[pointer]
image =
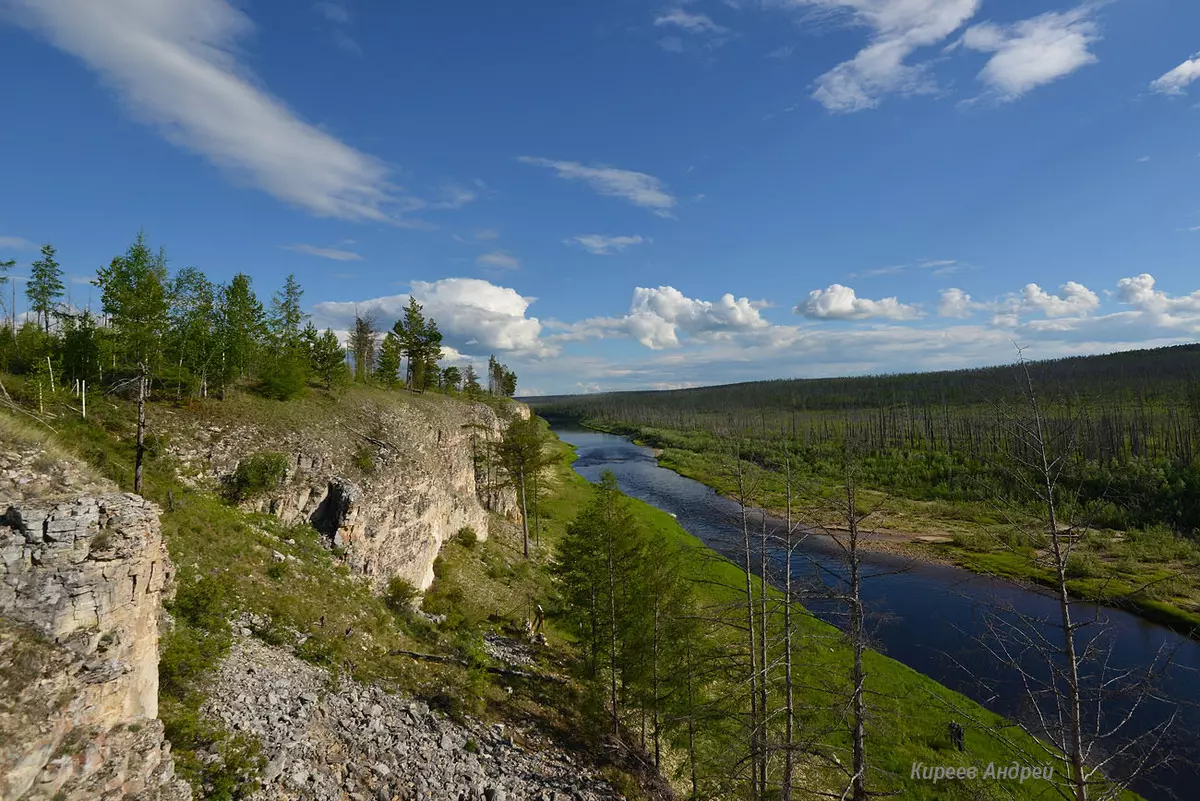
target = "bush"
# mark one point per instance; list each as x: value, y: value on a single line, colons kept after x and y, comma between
x: 284, y: 379
x: 1084, y: 565
x: 261, y: 473
x: 399, y: 596
x: 467, y: 537
x: 364, y: 459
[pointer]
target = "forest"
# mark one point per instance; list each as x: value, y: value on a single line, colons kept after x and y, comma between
x: 1134, y: 421
x: 184, y: 335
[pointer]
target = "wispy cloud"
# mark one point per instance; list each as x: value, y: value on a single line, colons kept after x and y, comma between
x: 453, y: 196
x: 898, y: 29
x: 692, y: 23
x: 178, y: 66
x: 16, y: 243
x: 1176, y: 81
x: 601, y: 245
x: 486, y: 234
x: 638, y: 188
x: 499, y: 259
x: 337, y: 254
x: 1033, y: 52
x: 782, y: 52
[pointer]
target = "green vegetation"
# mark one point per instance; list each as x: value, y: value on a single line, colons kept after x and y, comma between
x: 937, y: 451
x: 257, y: 475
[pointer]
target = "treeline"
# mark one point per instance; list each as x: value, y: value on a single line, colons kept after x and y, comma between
x: 937, y: 436
x: 191, y: 336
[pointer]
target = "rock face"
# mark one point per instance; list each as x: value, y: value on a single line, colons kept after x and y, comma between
x: 358, y: 742
x: 81, y: 582
x: 386, y: 484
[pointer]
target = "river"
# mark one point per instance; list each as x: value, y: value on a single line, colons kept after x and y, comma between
x: 932, y: 617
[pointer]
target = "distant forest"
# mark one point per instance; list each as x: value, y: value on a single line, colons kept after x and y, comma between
x: 1133, y: 420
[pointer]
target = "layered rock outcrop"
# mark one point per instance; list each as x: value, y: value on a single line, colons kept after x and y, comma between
x: 385, y: 483
x: 82, y: 572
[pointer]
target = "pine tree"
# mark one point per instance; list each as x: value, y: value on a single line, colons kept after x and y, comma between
x: 135, y: 298
x: 286, y: 315
x: 364, y: 343
x: 328, y: 359
x: 391, y: 356
x: 45, y: 286
x: 471, y: 382
x: 451, y: 378
x: 410, y: 329
x: 240, y: 328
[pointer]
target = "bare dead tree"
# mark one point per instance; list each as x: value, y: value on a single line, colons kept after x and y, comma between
x: 1081, y: 704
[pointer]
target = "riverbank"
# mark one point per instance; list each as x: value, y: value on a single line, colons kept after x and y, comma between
x: 1153, y: 574
x: 910, y: 712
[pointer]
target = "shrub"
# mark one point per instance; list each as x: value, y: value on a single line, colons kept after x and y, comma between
x: 260, y: 473
x: 364, y: 459
x: 399, y: 596
x: 467, y: 536
x: 1084, y: 565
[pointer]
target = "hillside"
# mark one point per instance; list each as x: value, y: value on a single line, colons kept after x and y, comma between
x: 281, y: 631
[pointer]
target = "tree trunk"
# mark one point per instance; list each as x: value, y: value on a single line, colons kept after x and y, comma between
x: 141, y: 433
x: 612, y: 644
x: 789, y: 764
x: 858, y: 637
x: 524, y: 514
x: 753, y: 671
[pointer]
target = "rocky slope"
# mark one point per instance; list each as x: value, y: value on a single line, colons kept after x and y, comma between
x: 347, y: 740
x: 386, y: 481
x: 82, y: 572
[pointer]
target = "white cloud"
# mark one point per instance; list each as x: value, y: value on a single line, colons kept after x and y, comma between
x: 1076, y: 300
x: 487, y: 234
x: 16, y: 243
x: 474, y: 316
x: 782, y: 52
x: 657, y: 317
x: 955, y: 303
x: 1033, y: 52
x: 838, y: 302
x: 500, y: 259
x: 640, y: 189
x: 337, y: 254
x: 898, y: 29
x: 692, y: 23
x: 178, y: 67
x: 601, y: 245
x: 1178, y: 79
x: 1140, y: 293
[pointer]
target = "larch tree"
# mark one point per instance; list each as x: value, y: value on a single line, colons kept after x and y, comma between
x: 364, y: 344
x: 239, y: 329
x: 45, y: 286
x: 391, y: 358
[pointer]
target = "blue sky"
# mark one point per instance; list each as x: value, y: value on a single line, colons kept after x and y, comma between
x: 635, y: 194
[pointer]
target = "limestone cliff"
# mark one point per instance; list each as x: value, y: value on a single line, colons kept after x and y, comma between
x: 386, y: 480
x: 82, y: 572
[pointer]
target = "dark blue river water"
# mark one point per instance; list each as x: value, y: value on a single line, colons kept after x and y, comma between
x: 932, y: 617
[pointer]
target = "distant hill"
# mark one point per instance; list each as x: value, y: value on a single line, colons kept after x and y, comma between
x: 1159, y: 375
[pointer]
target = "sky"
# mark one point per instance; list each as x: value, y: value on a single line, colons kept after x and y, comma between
x: 632, y: 194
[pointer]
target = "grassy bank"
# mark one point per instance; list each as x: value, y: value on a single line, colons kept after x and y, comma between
x: 910, y: 712
x: 1151, y: 572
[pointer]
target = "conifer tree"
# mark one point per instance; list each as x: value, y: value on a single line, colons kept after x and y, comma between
x: 328, y: 359
x: 240, y: 327
x: 45, y: 286
x: 364, y: 343
x: 136, y: 300
x: 391, y: 356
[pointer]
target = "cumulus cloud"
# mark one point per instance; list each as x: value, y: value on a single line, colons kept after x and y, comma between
x: 499, y: 259
x: 600, y: 245
x: 1179, y: 79
x: 955, y: 303
x: 898, y: 29
x: 1076, y: 300
x: 475, y: 316
x: 1033, y: 52
x: 638, y: 188
x: 1140, y: 293
x: 658, y: 316
x: 337, y: 254
x: 178, y: 66
x: 838, y: 302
